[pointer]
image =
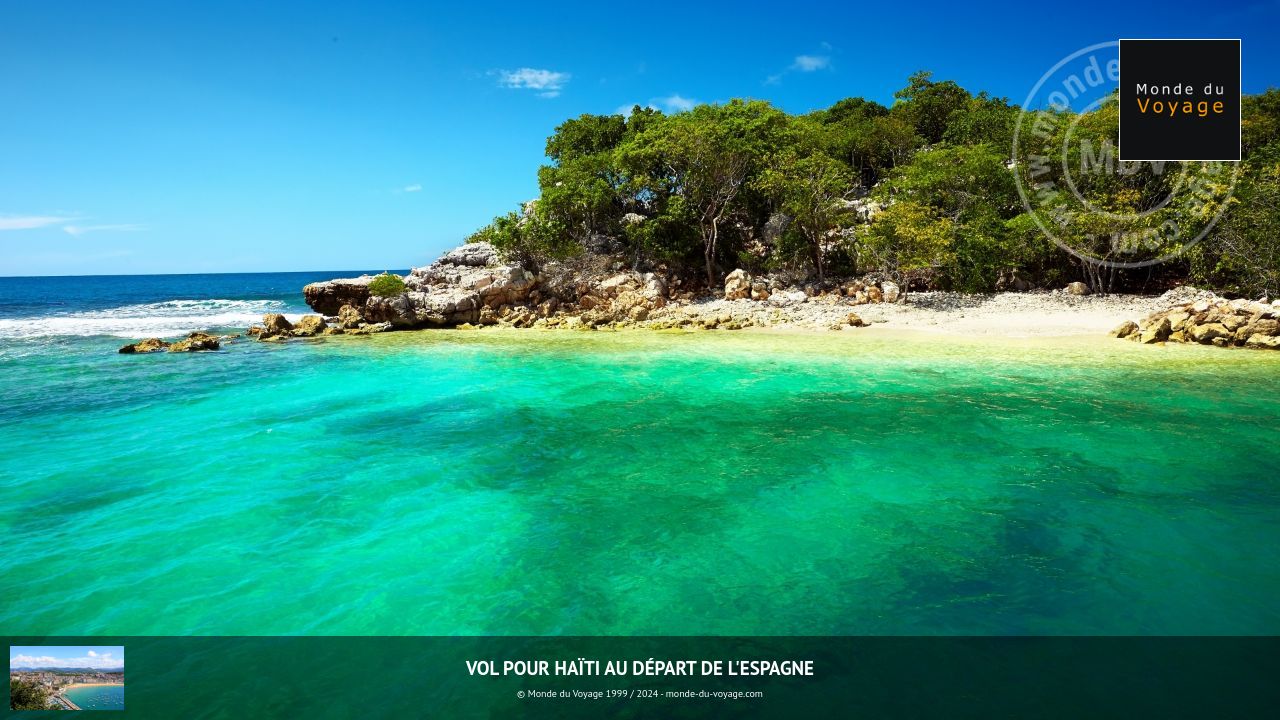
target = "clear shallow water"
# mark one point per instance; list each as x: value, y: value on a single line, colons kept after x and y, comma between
x: 100, y: 697
x: 638, y: 483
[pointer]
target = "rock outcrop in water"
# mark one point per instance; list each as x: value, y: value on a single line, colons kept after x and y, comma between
x: 194, y: 342
x: 329, y: 297
x: 275, y: 327
x: 1209, y: 321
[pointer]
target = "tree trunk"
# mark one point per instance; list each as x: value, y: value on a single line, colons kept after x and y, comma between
x: 709, y: 253
x: 815, y: 250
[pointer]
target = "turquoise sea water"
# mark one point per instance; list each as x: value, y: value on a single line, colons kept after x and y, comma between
x: 454, y: 482
x: 101, y: 697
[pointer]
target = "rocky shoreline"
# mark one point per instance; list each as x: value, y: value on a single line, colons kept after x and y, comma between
x: 1209, y: 320
x: 471, y: 287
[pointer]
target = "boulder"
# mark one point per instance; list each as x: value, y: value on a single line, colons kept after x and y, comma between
x: 1077, y: 288
x: 759, y: 291
x: 474, y: 268
x: 875, y: 294
x: 1209, y: 332
x: 1125, y: 329
x: 1156, y: 332
x: 370, y: 329
x: 1263, y: 342
x: 854, y: 321
x: 477, y: 254
x: 145, y: 346
x: 655, y: 289
x: 195, y: 342
x: 310, y: 325
x: 328, y: 297
x: 276, y: 324
x: 890, y: 290
x: 737, y: 285
x: 349, y: 317
x: 437, y: 307
x: 783, y: 298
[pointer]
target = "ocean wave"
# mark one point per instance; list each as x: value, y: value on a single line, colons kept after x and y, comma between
x: 161, y: 319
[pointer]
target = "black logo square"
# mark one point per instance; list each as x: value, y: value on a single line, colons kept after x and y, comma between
x: 1180, y: 100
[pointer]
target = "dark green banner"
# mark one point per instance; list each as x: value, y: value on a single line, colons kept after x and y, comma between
x: 462, y: 677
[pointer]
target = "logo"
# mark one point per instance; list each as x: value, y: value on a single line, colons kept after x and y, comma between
x: 1106, y: 211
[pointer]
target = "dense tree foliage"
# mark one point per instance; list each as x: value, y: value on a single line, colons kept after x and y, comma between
x: 28, y: 695
x: 924, y: 190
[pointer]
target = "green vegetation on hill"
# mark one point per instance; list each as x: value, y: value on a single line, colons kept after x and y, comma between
x: 27, y: 695
x: 923, y: 191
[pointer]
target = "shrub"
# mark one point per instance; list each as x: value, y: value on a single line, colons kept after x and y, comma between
x: 386, y: 285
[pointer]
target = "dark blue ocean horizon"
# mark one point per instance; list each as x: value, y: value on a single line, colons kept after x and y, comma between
x: 149, y: 305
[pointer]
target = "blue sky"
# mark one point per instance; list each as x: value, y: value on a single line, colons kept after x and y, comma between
x: 74, y: 656
x: 144, y: 137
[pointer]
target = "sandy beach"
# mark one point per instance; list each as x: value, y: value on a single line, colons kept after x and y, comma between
x: 1008, y: 315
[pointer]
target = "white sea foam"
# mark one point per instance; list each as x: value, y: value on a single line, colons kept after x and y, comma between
x: 162, y: 319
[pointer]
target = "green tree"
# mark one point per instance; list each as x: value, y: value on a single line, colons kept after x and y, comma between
x: 705, y: 156
x: 985, y: 120
x: 528, y: 238
x: 928, y: 105
x: 28, y: 695
x: 906, y: 238
x: 810, y: 188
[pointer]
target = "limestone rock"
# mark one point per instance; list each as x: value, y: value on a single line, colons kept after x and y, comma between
x: 328, y: 297
x: 875, y: 294
x: 145, y: 346
x: 784, y: 298
x: 276, y: 324
x: 1263, y: 342
x: 195, y: 342
x: 437, y: 306
x: 1125, y: 329
x: 1156, y: 332
x: 1207, y: 333
x: 349, y: 317
x: 310, y: 325
x: 477, y: 254
x: 1077, y: 288
x: 737, y: 285
x: 890, y: 290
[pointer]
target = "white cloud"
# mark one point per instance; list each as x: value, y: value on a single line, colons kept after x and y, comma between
x: 92, y: 660
x: 28, y: 222
x: 811, y: 63
x: 119, y: 227
x: 549, y: 83
x: 676, y: 103
x: 804, y: 64
x: 416, y: 187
